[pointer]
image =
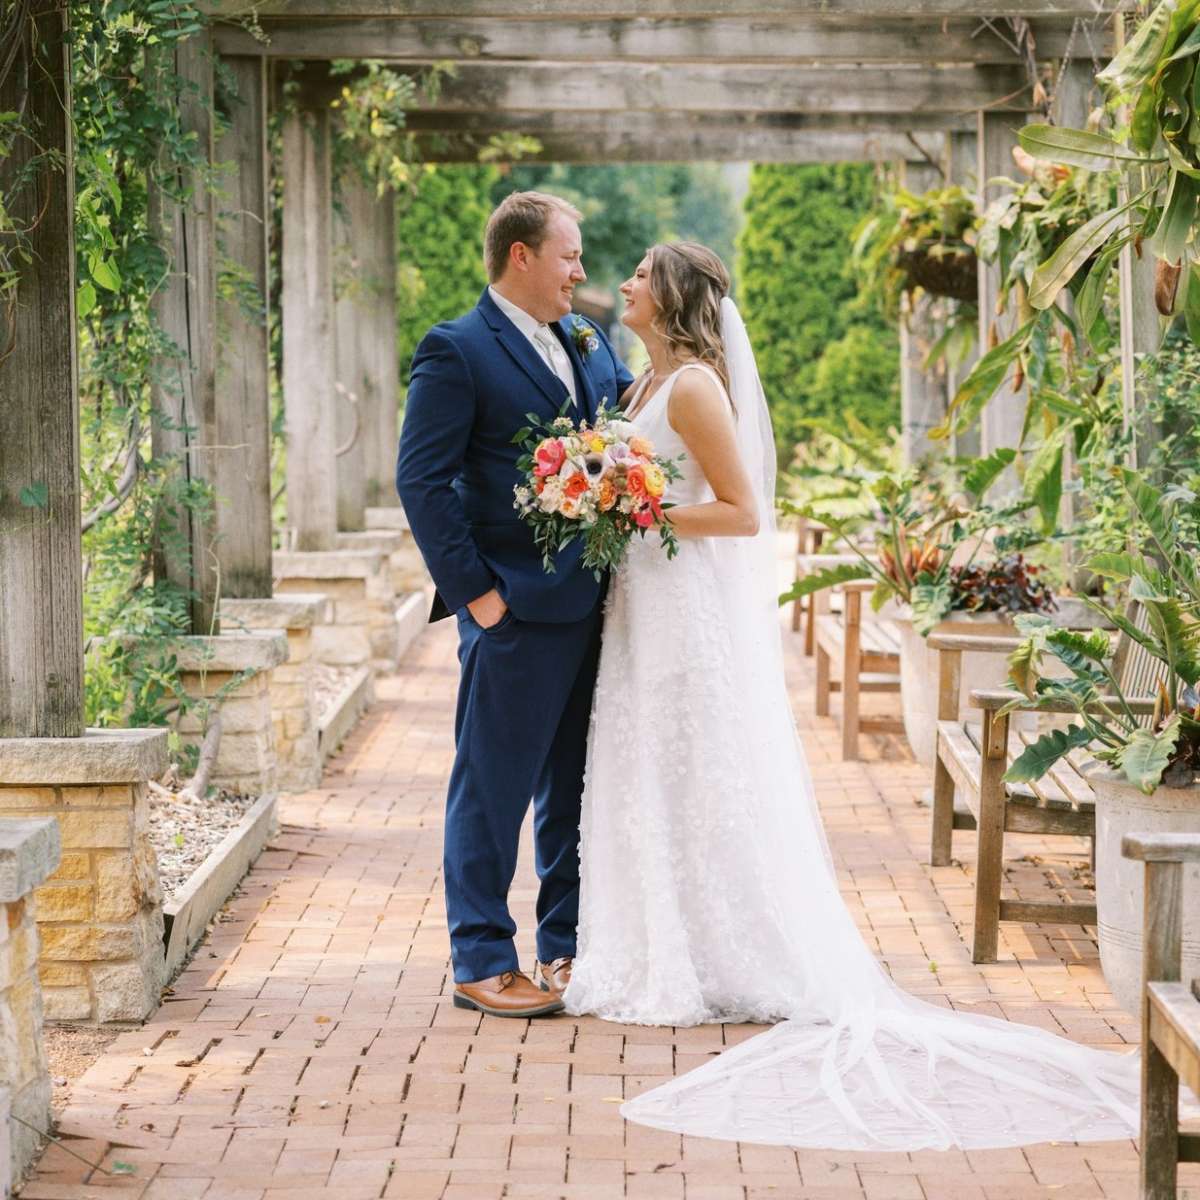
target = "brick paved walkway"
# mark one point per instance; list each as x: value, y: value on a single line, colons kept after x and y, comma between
x: 311, y: 1052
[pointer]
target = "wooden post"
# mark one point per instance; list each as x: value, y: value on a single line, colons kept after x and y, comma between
x: 851, y: 667
x: 356, y: 393
x: 242, y: 467
x: 941, y: 833
x: 307, y: 318
x: 989, y: 872
x: 1004, y: 416
x: 922, y: 392
x: 963, y: 168
x: 183, y: 391
x: 41, y: 577
x: 384, y: 437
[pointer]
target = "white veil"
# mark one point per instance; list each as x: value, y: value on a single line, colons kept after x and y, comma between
x: 859, y: 1063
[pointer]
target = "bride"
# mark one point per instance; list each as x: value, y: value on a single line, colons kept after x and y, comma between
x: 708, y: 892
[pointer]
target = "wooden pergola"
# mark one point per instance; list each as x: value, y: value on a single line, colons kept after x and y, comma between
x: 942, y: 84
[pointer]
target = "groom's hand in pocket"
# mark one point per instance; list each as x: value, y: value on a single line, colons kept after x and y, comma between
x: 488, y: 609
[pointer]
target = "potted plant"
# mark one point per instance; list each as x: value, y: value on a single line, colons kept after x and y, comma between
x: 931, y: 567
x: 1145, y: 779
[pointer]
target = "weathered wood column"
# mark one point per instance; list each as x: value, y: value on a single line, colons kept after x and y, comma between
x: 962, y: 167
x: 184, y: 394
x: 1004, y: 416
x: 41, y: 622
x: 308, y: 328
x: 242, y: 467
x: 381, y: 480
x: 922, y: 391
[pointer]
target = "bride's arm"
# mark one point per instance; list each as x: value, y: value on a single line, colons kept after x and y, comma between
x: 699, y: 412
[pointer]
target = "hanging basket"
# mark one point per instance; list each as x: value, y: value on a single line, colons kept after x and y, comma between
x: 950, y: 274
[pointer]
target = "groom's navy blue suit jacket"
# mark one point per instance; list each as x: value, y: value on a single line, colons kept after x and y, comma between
x: 473, y: 380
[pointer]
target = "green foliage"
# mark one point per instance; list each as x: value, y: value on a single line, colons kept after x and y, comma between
x: 439, y: 244
x: 628, y: 208
x: 858, y: 374
x: 799, y: 295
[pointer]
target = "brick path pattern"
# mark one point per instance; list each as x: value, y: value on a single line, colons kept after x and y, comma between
x: 310, y: 1050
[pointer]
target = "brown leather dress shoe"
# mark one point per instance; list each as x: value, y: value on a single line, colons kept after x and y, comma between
x: 553, y: 976
x: 512, y: 994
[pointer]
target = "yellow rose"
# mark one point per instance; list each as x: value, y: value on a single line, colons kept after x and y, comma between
x: 596, y: 445
x: 656, y: 481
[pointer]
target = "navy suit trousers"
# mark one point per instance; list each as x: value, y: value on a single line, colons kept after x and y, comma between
x: 524, y: 704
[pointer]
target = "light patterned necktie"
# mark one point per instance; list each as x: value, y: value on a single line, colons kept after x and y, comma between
x: 556, y: 357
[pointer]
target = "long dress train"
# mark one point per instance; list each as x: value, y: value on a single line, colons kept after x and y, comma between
x: 708, y: 892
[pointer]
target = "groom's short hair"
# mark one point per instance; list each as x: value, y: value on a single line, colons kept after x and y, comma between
x: 520, y: 217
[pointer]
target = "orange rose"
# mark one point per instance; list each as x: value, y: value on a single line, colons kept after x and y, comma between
x: 575, y: 486
x: 635, y: 482
x: 608, y: 493
x: 640, y: 446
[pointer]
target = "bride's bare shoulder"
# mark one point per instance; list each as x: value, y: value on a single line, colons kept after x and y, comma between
x: 696, y: 396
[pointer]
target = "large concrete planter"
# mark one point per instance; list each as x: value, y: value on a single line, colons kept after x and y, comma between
x: 1122, y: 809
x: 980, y: 671
x: 919, y: 673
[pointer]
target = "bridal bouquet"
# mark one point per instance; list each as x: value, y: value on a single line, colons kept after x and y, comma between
x: 600, y: 482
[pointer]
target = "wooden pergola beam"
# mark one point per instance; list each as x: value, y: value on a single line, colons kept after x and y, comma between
x: 573, y: 10
x: 647, y: 124
x: 708, y: 88
x: 696, y: 145
x: 803, y: 39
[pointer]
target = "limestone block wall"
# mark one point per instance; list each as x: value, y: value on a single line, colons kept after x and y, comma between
x: 409, y: 573
x: 361, y: 626
x: 99, y: 914
x: 246, y: 761
x: 293, y: 699
x: 29, y: 851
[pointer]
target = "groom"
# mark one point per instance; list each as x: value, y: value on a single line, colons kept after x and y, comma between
x: 528, y: 641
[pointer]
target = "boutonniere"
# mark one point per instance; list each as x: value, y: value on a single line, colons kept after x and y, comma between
x: 584, y: 337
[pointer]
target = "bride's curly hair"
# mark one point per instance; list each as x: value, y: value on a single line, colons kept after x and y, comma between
x: 687, y: 283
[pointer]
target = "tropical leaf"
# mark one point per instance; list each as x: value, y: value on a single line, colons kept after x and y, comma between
x: 1191, y: 305
x: 829, y: 577
x: 1175, y: 226
x: 983, y: 472
x: 1078, y: 148
x: 930, y: 604
x: 1089, y: 303
x: 1178, y: 638
x: 1139, y: 58
x: 1147, y: 753
x: 1038, y: 757
x: 1043, y: 479
x: 1115, y: 565
x: 1059, y: 269
x: 1078, y: 651
x: 981, y: 383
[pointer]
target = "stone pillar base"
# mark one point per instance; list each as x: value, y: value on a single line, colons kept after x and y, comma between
x: 100, y: 914
x: 362, y: 630
x: 407, y: 565
x: 246, y: 761
x: 29, y: 852
x: 293, y: 702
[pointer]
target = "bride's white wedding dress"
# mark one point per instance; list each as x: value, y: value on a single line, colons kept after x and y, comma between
x: 708, y: 893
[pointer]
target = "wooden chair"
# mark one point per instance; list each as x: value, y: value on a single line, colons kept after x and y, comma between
x: 1170, y: 1010
x: 868, y: 652
x: 972, y: 758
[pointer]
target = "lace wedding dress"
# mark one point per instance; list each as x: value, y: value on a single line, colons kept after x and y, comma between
x: 708, y: 892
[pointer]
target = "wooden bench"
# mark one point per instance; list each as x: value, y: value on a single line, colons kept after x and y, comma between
x: 1170, y: 1010
x: 810, y: 535
x: 868, y: 652
x: 972, y: 757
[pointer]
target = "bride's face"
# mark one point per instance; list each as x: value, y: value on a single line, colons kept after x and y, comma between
x: 640, y: 308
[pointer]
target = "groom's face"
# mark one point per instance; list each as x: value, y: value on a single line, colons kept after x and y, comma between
x: 555, y: 269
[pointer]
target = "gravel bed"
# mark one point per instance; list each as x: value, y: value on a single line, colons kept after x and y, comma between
x: 328, y: 683
x: 184, y: 831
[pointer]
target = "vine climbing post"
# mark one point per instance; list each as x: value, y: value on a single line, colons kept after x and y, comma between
x: 41, y: 577
x: 184, y: 391
x: 242, y: 469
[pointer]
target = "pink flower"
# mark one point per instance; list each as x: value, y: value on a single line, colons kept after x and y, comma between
x: 549, y: 456
x: 644, y: 517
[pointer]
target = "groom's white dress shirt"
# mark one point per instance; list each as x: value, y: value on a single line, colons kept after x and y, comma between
x: 542, y: 338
